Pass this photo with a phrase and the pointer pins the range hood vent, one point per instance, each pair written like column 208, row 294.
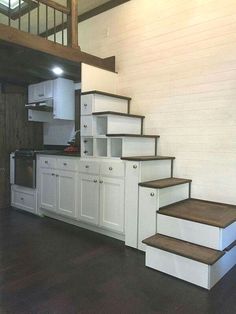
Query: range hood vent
column 46, row 105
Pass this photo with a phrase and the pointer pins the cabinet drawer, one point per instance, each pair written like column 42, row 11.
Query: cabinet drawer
column 112, row 169
column 86, row 104
column 67, row 164
column 86, row 126
column 47, row 162
column 24, row 200
column 89, row 167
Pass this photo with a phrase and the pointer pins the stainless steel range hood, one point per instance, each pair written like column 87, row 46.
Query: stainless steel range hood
column 45, row 105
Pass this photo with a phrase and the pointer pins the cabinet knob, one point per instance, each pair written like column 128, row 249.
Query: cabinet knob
column 85, row 126
column 87, row 166
column 40, row 95
column 152, row 194
column 95, row 181
column 85, row 105
column 85, row 141
column 30, row 117
column 53, row 174
column 46, row 162
column 57, row 175
column 101, row 181
column 65, row 164
column 110, row 168
column 135, row 166
column 22, row 198
column 85, row 152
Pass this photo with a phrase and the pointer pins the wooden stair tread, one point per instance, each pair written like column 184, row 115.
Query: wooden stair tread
column 106, row 94
column 164, row 183
column 129, row 115
column 189, row 250
column 132, row 135
column 210, row 213
column 147, row 158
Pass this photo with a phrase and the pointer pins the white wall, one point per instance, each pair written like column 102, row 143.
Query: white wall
column 177, row 59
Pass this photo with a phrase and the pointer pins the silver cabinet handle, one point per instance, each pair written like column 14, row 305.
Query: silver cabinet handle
column 85, row 105
column 152, row 194
column 95, row 181
column 110, row 168
column 101, row 181
column 40, row 95
column 135, row 166
column 85, row 126
column 87, row 166
column 65, row 164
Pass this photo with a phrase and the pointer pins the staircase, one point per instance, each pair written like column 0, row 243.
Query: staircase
column 194, row 240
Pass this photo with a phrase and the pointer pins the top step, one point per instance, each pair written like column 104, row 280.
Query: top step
column 147, row 158
column 192, row 251
column 164, row 183
column 106, row 94
column 132, row 135
column 209, row 213
column 115, row 113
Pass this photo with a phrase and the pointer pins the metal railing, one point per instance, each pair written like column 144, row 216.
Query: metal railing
column 45, row 18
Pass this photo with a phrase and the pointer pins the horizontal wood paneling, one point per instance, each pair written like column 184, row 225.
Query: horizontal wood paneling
column 177, row 60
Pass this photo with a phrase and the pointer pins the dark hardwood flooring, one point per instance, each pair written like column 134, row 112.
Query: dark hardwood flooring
column 50, row 267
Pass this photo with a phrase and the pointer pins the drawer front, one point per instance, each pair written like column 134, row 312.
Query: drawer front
column 86, row 126
column 86, row 104
column 112, row 169
column 24, row 200
column 47, row 162
column 91, row 167
column 67, row 164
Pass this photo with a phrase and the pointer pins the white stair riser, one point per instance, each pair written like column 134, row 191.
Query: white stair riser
column 173, row 194
column 195, row 272
column 102, row 125
column 136, row 172
column 138, row 146
column 197, row 233
column 150, row 200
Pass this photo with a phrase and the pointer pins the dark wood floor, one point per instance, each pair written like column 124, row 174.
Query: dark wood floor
column 50, row 267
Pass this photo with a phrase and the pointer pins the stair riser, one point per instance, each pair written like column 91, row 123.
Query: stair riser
column 94, row 103
column 197, row 233
column 134, row 146
column 150, row 200
column 138, row 172
column 192, row 271
column 102, row 125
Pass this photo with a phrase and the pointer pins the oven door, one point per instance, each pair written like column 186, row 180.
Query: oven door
column 25, row 171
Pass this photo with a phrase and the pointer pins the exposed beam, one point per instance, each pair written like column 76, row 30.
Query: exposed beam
column 72, row 26
column 14, row 36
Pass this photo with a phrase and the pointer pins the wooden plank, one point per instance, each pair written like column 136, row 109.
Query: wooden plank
column 14, row 36
column 72, row 26
column 185, row 249
column 164, row 183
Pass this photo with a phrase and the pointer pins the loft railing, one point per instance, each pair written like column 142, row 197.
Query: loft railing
column 43, row 18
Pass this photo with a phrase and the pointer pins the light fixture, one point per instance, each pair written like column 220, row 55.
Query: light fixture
column 57, row 70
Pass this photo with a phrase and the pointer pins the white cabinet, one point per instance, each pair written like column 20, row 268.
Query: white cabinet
column 48, row 189
column 66, row 183
column 101, row 194
column 61, row 91
column 57, row 188
column 88, row 198
column 112, row 203
column 24, row 198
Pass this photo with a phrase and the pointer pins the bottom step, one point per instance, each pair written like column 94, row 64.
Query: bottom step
column 190, row 262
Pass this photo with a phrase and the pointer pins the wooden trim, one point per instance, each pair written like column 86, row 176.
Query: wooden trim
column 14, row 36
column 87, row 15
column 172, row 168
column 54, row 5
column 106, row 94
column 164, row 183
column 147, row 158
column 133, row 135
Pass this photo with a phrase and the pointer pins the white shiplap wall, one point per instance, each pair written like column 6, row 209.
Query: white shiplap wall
column 177, row 59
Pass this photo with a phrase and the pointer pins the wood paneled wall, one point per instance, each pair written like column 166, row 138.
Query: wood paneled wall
column 177, row 59
column 15, row 132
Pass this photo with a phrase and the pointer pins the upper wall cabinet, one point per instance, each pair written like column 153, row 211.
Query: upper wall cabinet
column 54, row 99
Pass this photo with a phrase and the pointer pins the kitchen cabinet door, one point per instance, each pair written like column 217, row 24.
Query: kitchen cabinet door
column 112, row 203
column 88, row 198
column 66, row 192
column 48, row 189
